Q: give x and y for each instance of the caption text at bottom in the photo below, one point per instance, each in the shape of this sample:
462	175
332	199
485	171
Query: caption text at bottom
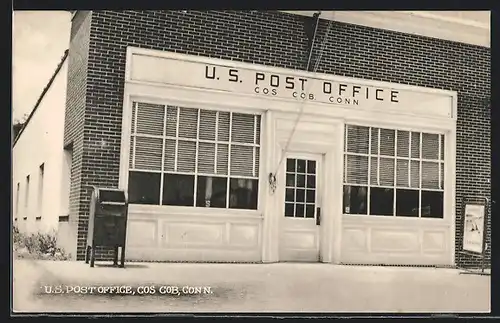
128	290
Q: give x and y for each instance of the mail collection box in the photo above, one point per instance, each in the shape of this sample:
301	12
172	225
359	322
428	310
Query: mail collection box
107	225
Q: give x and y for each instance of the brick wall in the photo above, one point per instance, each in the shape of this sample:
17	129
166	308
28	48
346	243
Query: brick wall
279	39
75	108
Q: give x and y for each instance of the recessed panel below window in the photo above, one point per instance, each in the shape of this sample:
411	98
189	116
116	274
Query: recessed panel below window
355	199
178	190
211	191
432	204
243	193
381	201
407	202
144	188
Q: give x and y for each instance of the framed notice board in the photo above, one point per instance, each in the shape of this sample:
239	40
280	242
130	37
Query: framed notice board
475	217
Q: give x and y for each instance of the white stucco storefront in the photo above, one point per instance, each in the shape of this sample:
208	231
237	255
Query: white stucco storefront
331	108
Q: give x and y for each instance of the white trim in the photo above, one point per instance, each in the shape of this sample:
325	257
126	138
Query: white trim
423	23
271	69
269	153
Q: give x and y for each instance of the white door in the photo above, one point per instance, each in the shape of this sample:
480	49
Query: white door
301	212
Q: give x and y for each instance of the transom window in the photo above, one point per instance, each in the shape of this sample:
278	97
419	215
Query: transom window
193	157
393	173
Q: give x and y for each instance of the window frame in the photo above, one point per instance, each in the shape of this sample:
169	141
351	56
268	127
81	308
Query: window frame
444	163
27	193
40	195
132	100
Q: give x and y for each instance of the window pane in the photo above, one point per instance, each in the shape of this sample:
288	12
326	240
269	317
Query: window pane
131	155
387	144
186	156
172	121
223	131
169	155
257	162
386	171
432	204
150	119
311	181
222	158
243	128
134	108
415	145
442	147
309	211
381	201
407	202
355	199
373	171
357	139
207	124
300	210
241	160
311	167
403	143
415	174
148	153
402	173
290	165
442	176
430	146
206	158
178	190
301	180
211	192
374	140
144	188
290	195
188	123
243	193
290	209
290	180
311	196
356	170
257	138
430	175
301	166
300	195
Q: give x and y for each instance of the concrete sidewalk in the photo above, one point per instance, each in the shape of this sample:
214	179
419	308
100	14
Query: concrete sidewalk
281	287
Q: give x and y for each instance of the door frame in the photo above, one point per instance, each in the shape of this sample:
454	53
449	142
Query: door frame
331	221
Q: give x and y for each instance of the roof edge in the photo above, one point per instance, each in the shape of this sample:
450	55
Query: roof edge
45	90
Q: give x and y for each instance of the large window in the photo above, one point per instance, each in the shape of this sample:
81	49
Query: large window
393	173
193	157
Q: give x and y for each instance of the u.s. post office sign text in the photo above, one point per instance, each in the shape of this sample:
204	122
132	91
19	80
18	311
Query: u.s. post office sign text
285	85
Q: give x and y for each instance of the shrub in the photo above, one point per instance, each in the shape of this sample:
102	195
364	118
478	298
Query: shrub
37	246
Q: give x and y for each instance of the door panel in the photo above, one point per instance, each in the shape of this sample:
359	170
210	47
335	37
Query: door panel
300	239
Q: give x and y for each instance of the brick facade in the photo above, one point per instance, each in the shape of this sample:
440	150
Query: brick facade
97	64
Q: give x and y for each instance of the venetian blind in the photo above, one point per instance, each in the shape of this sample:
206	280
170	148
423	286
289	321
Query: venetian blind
194	141
396	158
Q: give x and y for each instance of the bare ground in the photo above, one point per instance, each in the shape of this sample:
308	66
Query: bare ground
282	287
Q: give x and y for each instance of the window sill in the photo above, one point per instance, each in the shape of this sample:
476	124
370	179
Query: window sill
193	211
357	218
